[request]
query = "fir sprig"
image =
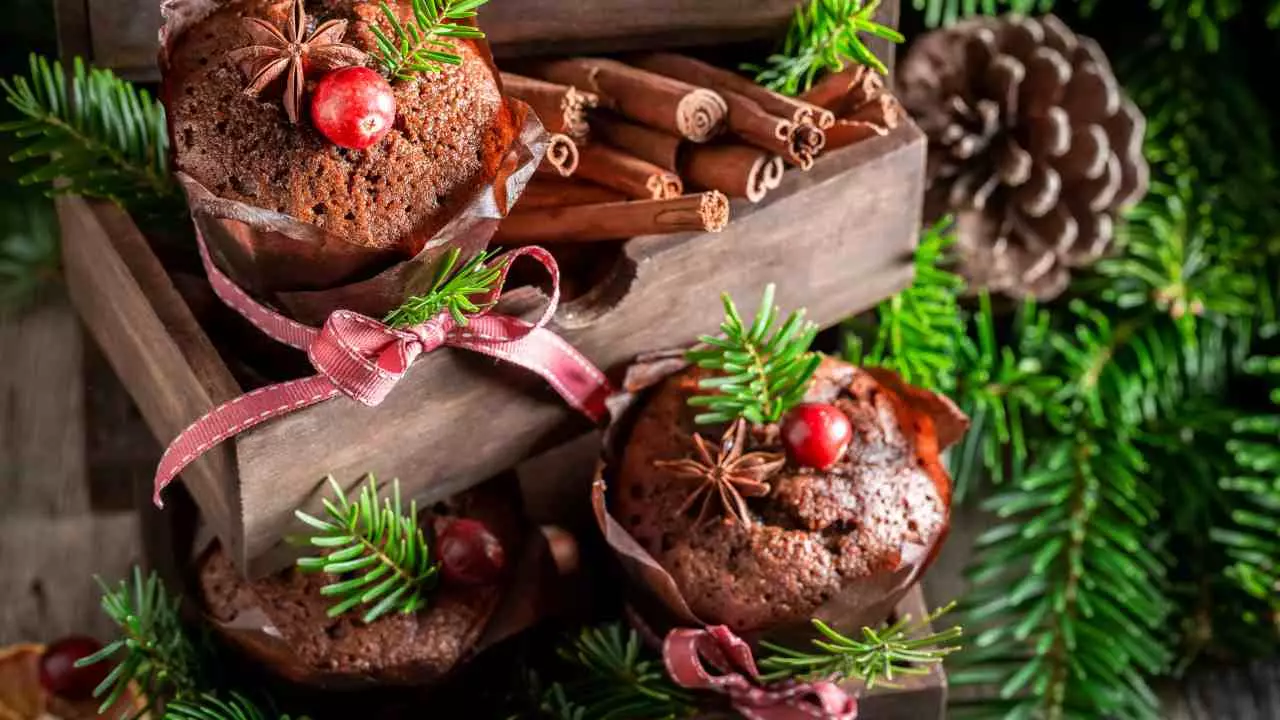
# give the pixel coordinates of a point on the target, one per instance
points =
(96, 135)
(761, 372)
(155, 650)
(619, 680)
(208, 706)
(421, 45)
(880, 655)
(450, 291)
(29, 250)
(824, 36)
(379, 552)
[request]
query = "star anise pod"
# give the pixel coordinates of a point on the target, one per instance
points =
(292, 53)
(728, 474)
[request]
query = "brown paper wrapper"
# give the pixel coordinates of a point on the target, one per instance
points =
(526, 596)
(932, 422)
(309, 273)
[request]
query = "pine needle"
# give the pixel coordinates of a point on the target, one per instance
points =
(450, 291)
(879, 656)
(824, 36)
(377, 552)
(761, 372)
(421, 45)
(619, 680)
(209, 706)
(95, 135)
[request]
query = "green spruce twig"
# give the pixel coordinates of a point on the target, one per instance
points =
(155, 650)
(208, 706)
(880, 655)
(422, 45)
(95, 135)
(450, 291)
(824, 36)
(760, 372)
(379, 552)
(618, 680)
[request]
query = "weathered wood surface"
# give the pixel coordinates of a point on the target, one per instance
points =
(121, 34)
(60, 522)
(836, 240)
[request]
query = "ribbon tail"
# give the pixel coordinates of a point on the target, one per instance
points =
(582, 385)
(234, 417)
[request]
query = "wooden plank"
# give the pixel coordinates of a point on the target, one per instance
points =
(121, 34)
(151, 340)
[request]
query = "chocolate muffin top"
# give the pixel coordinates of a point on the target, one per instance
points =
(448, 131)
(813, 535)
(396, 648)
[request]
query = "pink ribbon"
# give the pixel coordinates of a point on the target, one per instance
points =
(687, 652)
(363, 359)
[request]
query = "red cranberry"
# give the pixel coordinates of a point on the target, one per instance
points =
(816, 434)
(59, 674)
(470, 554)
(353, 107)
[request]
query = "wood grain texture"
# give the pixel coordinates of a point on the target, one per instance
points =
(152, 341)
(121, 34)
(837, 240)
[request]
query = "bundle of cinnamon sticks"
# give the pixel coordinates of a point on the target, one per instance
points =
(628, 140)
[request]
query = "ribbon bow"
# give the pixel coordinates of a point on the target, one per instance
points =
(363, 359)
(687, 652)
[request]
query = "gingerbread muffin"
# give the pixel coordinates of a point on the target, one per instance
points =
(780, 539)
(448, 135)
(301, 642)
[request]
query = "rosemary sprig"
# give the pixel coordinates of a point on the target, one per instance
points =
(823, 37)
(450, 291)
(876, 658)
(378, 546)
(420, 46)
(760, 376)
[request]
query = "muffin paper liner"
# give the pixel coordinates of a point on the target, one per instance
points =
(308, 272)
(513, 608)
(932, 423)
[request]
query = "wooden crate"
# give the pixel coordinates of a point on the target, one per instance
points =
(121, 34)
(836, 240)
(913, 697)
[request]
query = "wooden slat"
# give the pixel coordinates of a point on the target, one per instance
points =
(151, 340)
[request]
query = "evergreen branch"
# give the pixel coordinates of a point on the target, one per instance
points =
(824, 36)
(155, 651)
(29, 251)
(619, 680)
(379, 553)
(450, 291)
(759, 375)
(422, 45)
(96, 135)
(208, 706)
(940, 13)
(903, 648)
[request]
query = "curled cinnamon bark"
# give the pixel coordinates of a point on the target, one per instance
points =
(844, 91)
(562, 156)
(735, 170)
(561, 108)
(702, 74)
(704, 212)
(546, 191)
(628, 174)
(653, 146)
(694, 113)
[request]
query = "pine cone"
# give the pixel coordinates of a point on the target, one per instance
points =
(1032, 146)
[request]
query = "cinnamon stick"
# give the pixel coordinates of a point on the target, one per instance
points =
(699, 73)
(844, 91)
(873, 119)
(654, 146)
(628, 174)
(562, 156)
(561, 108)
(735, 170)
(704, 212)
(544, 192)
(661, 102)
(799, 143)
